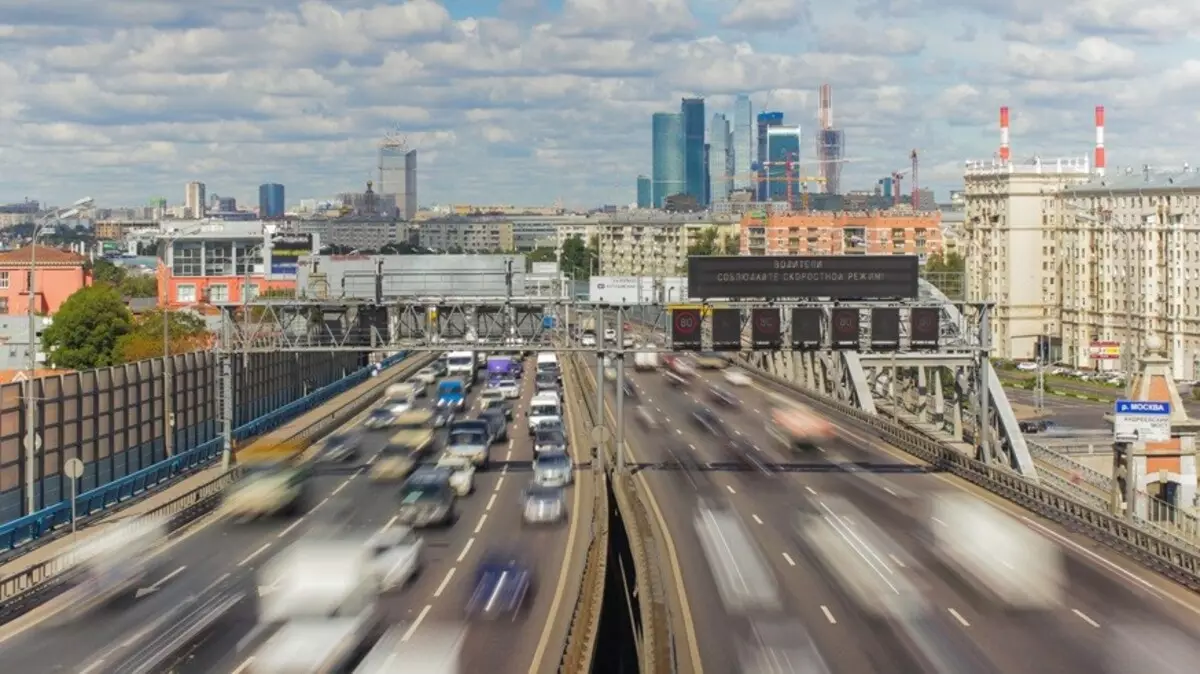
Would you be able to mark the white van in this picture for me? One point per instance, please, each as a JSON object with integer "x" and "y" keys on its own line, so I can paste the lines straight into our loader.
{"x": 461, "y": 364}
{"x": 543, "y": 409}
{"x": 547, "y": 359}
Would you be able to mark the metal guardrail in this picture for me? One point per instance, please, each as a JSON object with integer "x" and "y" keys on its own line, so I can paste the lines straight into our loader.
{"x": 1065, "y": 465}
{"x": 26, "y": 533}
{"x": 1163, "y": 556}
{"x": 40, "y": 582}
{"x": 580, "y": 646}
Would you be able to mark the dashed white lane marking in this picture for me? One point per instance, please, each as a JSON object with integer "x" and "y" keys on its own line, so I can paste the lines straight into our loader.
{"x": 508, "y": 455}
{"x": 412, "y": 629}
{"x": 678, "y": 431}
{"x": 756, "y": 519}
{"x": 1084, "y": 617}
{"x": 491, "y": 502}
{"x": 510, "y": 444}
{"x": 897, "y": 561}
{"x": 790, "y": 561}
{"x": 810, "y": 490}
{"x": 889, "y": 490}
{"x": 466, "y": 549}
{"x": 482, "y": 519}
{"x": 692, "y": 447}
{"x": 445, "y": 581}
{"x": 937, "y": 521}
{"x": 499, "y": 483}
{"x": 250, "y": 558}
{"x": 93, "y": 667}
{"x": 245, "y": 665}
{"x": 389, "y": 523}
{"x": 828, "y": 614}
{"x": 289, "y": 528}
{"x": 958, "y": 617}
{"x": 730, "y": 488}
{"x": 323, "y": 502}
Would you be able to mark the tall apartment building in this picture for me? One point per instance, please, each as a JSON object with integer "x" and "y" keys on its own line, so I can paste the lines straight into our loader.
{"x": 195, "y": 200}
{"x": 1012, "y": 250}
{"x": 652, "y": 245}
{"x": 841, "y": 233}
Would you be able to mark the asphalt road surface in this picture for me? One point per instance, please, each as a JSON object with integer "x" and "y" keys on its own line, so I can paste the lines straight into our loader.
{"x": 961, "y": 626}
{"x": 226, "y": 555}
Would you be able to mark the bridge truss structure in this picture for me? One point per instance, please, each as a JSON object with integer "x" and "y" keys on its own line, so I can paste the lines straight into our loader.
{"x": 949, "y": 391}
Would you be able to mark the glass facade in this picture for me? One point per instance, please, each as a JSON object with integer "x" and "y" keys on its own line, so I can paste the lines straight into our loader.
{"x": 766, "y": 120}
{"x": 667, "y": 156}
{"x": 645, "y": 192}
{"x": 720, "y": 159}
{"x": 743, "y": 142}
{"x": 695, "y": 170}
{"x": 783, "y": 145}
{"x": 270, "y": 201}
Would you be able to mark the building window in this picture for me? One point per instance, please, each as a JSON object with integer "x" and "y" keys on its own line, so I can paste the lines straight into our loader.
{"x": 3, "y": 306}
{"x": 218, "y": 259}
{"x": 247, "y": 258}
{"x": 185, "y": 294}
{"x": 218, "y": 293}
{"x": 186, "y": 259}
{"x": 250, "y": 292}
{"x": 3, "y": 280}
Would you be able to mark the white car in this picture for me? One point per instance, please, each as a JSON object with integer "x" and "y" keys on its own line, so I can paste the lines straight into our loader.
{"x": 737, "y": 377}
{"x": 395, "y": 557}
{"x": 1027, "y": 366}
{"x": 610, "y": 335}
{"x": 462, "y": 473}
{"x": 588, "y": 339}
{"x": 426, "y": 375}
{"x": 628, "y": 342}
{"x": 509, "y": 388}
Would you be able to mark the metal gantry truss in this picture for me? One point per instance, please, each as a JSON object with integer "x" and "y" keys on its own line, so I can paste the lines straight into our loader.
{"x": 509, "y": 323}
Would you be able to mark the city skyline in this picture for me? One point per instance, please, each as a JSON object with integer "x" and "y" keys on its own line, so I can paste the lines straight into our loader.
{"x": 278, "y": 106}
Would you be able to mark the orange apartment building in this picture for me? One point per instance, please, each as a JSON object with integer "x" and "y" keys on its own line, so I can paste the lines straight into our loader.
{"x": 58, "y": 274}
{"x": 842, "y": 233}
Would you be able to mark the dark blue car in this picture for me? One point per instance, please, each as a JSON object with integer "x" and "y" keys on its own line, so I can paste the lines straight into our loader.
{"x": 502, "y": 583}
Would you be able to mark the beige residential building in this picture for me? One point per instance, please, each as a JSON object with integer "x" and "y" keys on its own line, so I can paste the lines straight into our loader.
{"x": 656, "y": 244}
{"x": 1010, "y": 247}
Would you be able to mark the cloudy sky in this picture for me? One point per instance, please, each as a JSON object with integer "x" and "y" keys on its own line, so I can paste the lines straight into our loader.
{"x": 529, "y": 101}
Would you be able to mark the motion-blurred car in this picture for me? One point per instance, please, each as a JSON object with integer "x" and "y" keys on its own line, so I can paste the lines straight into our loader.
{"x": 427, "y": 375}
{"x": 549, "y": 439}
{"x": 381, "y": 418}
{"x": 502, "y": 583}
{"x": 543, "y": 505}
{"x": 630, "y": 389}
{"x": 723, "y": 397}
{"x": 711, "y": 361}
{"x": 505, "y": 407}
{"x": 737, "y": 377}
{"x": 645, "y": 418}
{"x": 497, "y": 422}
{"x": 784, "y": 647}
{"x": 444, "y": 417}
{"x": 395, "y": 557}
{"x": 706, "y": 419}
{"x": 427, "y": 499}
{"x": 462, "y": 473}
{"x": 553, "y": 469}
{"x": 674, "y": 380}
{"x": 339, "y": 448}
{"x": 509, "y": 388}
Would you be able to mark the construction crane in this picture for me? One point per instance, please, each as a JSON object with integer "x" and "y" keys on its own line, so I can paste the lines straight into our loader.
{"x": 897, "y": 177}
{"x": 915, "y": 183}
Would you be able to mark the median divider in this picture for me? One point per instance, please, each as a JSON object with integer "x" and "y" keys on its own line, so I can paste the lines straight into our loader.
{"x": 1155, "y": 552}
{"x": 580, "y": 646}
{"x": 41, "y": 581}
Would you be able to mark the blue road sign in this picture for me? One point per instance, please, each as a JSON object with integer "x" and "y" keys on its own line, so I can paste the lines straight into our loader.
{"x": 1143, "y": 408}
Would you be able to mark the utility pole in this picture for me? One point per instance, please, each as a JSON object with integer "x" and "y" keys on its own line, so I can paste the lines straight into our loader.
{"x": 620, "y": 390}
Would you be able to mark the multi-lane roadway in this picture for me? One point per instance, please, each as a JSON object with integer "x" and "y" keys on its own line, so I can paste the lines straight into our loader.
{"x": 855, "y": 477}
{"x": 217, "y": 556}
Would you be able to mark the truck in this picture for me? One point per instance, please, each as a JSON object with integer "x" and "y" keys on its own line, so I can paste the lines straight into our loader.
{"x": 438, "y": 651}
{"x": 502, "y": 367}
{"x": 645, "y": 360}
{"x": 451, "y": 394}
{"x": 113, "y": 564}
{"x": 274, "y": 481}
{"x": 318, "y": 607}
{"x": 461, "y": 364}
{"x": 799, "y": 427}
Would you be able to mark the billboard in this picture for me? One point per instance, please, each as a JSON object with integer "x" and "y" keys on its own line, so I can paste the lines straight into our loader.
{"x": 1104, "y": 350}
{"x": 286, "y": 251}
{"x": 842, "y": 277}
{"x": 544, "y": 268}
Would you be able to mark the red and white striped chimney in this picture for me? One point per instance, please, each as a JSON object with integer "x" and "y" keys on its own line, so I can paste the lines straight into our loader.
{"x": 1100, "y": 140}
{"x": 1004, "y": 134}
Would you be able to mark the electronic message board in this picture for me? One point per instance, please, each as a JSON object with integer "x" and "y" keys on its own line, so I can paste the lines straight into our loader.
{"x": 839, "y": 277}
{"x": 843, "y": 329}
{"x": 727, "y": 329}
{"x": 885, "y": 329}
{"x": 806, "y": 329}
{"x": 924, "y": 329}
{"x": 765, "y": 330}
{"x": 685, "y": 329}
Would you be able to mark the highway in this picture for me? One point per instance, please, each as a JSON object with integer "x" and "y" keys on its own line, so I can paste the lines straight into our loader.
{"x": 886, "y": 488}
{"x": 226, "y": 555}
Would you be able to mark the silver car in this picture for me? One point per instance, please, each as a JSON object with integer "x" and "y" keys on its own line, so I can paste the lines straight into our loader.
{"x": 553, "y": 469}
{"x": 543, "y": 505}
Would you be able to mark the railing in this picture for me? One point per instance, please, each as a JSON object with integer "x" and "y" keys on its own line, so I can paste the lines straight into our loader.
{"x": 40, "y": 582}
{"x": 1165, "y": 556}
{"x": 95, "y": 503}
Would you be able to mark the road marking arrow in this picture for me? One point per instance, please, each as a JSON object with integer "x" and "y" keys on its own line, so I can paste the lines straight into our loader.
{"x": 143, "y": 591}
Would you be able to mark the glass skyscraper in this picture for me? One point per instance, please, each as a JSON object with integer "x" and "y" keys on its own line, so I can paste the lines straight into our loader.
{"x": 719, "y": 159}
{"x": 645, "y": 192}
{"x": 783, "y": 146}
{"x": 695, "y": 171}
{"x": 270, "y": 201}
{"x": 766, "y": 120}
{"x": 667, "y": 165}
{"x": 743, "y": 142}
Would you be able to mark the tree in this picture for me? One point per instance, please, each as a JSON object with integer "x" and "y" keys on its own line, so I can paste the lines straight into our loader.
{"x": 704, "y": 244}
{"x": 86, "y": 329}
{"x": 139, "y": 285}
{"x": 950, "y": 262}
{"x": 577, "y": 259}
{"x": 540, "y": 255}
{"x": 731, "y": 244}
{"x": 187, "y": 333}
{"x": 104, "y": 271}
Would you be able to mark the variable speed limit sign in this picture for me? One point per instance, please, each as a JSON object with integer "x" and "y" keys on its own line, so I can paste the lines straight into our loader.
{"x": 685, "y": 329}
{"x": 765, "y": 331}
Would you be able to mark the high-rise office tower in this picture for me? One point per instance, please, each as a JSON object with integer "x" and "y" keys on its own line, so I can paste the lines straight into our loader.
{"x": 766, "y": 120}
{"x": 694, "y": 170}
{"x": 667, "y": 171}
{"x": 783, "y": 147}
{"x": 719, "y": 159}
{"x": 408, "y": 205}
{"x": 195, "y": 199}
{"x": 270, "y": 200}
{"x": 645, "y": 192}
{"x": 743, "y": 142}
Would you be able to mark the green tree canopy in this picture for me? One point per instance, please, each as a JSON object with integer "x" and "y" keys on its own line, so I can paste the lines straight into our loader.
{"x": 540, "y": 255}
{"x": 145, "y": 340}
{"x": 704, "y": 244}
{"x": 948, "y": 262}
{"x": 577, "y": 259}
{"x": 104, "y": 271}
{"x": 86, "y": 329}
{"x": 129, "y": 285}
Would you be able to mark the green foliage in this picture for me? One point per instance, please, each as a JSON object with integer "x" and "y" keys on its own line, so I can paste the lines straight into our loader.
{"x": 578, "y": 259}
{"x": 704, "y": 244}
{"x": 86, "y": 329}
{"x": 941, "y": 263}
{"x": 403, "y": 248}
{"x": 542, "y": 255}
{"x": 731, "y": 245}
{"x": 104, "y": 271}
{"x": 187, "y": 333}
{"x": 129, "y": 285}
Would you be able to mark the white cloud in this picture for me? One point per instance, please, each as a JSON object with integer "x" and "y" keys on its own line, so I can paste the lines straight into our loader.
{"x": 129, "y": 99}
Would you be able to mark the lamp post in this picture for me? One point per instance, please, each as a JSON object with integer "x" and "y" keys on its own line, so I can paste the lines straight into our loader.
{"x": 168, "y": 365}
{"x": 31, "y": 437}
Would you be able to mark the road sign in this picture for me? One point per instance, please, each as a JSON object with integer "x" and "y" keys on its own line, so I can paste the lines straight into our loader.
{"x": 806, "y": 329}
{"x": 885, "y": 329}
{"x": 73, "y": 468}
{"x": 727, "y": 329}
{"x": 1141, "y": 421}
{"x": 925, "y": 328}
{"x": 685, "y": 330}
{"x": 765, "y": 331}
{"x": 844, "y": 329}
{"x": 777, "y": 276}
